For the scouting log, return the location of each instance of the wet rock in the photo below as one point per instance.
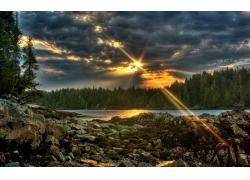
(186, 154)
(243, 160)
(86, 155)
(138, 126)
(68, 158)
(232, 159)
(209, 156)
(51, 140)
(87, 148)
(76, 151)
(54, 149)
(143, 164)
(56, 130)
(4, 111)
(2, 159)
(87, 138)
(126, 163)
(93, 163)
(112, 154)
(67, 127)
(158, 143)
(149, 147)
(16, 125)
(81, 131)
(12, 164)
(135, 156)
(238, 131)
(174, 163)
(147, 157)
(71, 155)
(223, 156)
(216, 160)
(242, 122)
(71, 132)
(114, 142)
(60, 156)
(17, 133)
(38, 117)
(98, 157)
(79, 127)
(125, 132)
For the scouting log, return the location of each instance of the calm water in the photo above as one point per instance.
(108, 114)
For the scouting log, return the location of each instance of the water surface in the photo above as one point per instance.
(108, 114)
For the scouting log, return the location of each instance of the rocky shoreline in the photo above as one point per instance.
(40, 137)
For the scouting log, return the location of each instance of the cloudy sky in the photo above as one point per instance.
(142, 48)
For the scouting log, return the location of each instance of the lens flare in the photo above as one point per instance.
(177, 103)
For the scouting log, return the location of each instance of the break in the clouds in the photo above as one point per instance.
(146, 49)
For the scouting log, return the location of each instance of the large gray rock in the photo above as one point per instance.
(60, 156)
(243, 160)
(12, 164)
(38, 117)
(87, 138)
(4, 111)
(56, 130)
(138, 126)
(238, 131)
(125, 132)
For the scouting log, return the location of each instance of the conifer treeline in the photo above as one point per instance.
(17, 64)
(223, 88)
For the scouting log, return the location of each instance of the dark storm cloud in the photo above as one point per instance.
(187, 41)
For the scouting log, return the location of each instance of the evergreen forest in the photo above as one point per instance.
(222, 89)
(18, 63)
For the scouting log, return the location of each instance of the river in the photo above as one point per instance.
(108, 114)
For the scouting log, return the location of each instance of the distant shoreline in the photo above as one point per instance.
(230, 108)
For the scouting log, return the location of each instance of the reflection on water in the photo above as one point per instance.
(108, 114)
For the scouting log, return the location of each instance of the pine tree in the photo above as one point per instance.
(9, 52)
(30, 65)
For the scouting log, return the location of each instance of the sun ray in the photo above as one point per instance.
(178, 104)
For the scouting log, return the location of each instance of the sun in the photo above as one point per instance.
(133, 67)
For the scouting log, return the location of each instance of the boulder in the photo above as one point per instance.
(12, 164)
(4, 111)
(126, 163)
(54, 149)
(147, 157)
(125, 132)
(60, 157)
(243, 160)
(138, 126)
(51, 140)
(81, 131)
(112, 154)
(238, 131)
(76, 151)
(86, 138)
(38, 117)
(15, 125)
(56, 130)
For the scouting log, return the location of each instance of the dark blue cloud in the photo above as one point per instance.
(189, 41)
